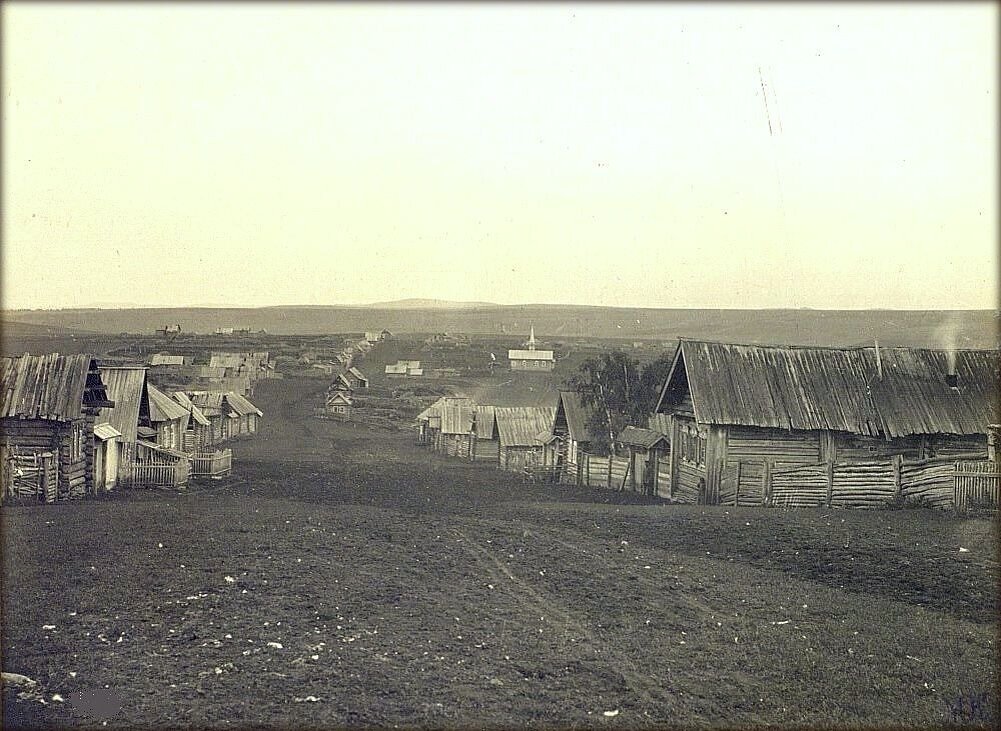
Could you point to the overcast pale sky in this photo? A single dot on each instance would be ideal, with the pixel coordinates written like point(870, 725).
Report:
point(779, 155)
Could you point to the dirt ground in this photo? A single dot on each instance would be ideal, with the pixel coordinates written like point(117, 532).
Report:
point(345, 577)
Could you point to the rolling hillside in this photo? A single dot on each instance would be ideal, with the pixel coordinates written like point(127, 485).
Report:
point(961, 328)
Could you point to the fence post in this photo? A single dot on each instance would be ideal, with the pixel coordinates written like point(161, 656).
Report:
point(608, 482)
point(766, 483)
point(830, 482)
point(736, 486)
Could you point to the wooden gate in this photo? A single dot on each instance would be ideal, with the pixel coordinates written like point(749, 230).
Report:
point(34, 474)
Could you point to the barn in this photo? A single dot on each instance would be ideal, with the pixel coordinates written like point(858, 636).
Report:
point(48, 409)
point(735, 413)
point(520, 430)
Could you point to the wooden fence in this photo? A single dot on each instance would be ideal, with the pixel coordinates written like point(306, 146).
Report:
point(977, 485)
point(938, 482)
point(610, 473)
point(212, 464)
point(158, 474)
point(33, 475)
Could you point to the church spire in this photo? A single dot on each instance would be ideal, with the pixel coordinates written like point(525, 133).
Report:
point(531, 339)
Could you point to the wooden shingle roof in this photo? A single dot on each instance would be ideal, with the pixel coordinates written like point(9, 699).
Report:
point(835, 389)
point(54, 387)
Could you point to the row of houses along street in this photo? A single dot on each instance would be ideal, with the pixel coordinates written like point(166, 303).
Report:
point(73, 426)
point(772, 426)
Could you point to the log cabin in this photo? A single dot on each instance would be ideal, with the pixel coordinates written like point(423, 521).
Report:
point(520, 431)
point(745, 408)
point(48, 406)
point(198, 436)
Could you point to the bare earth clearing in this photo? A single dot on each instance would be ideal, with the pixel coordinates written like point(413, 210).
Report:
point(344, 577)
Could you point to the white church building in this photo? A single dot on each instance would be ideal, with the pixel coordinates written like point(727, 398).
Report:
point(530, 359)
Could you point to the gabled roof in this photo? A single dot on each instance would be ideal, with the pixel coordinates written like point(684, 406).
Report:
point(162, 359)
point(196, 413)
point(835, 389)
point(162, 407)
point(570, 408)
point(486, 421)
point(241, 405)
point(127, 388)
point(519, 426)
point(53, 386)
point(530, 355)
point(639, 437)
point(340, 383)
point(357, 374)
point(339, 396)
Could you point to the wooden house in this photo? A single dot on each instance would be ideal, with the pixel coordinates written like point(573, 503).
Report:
point(48, 409)
point(734, 412)
point(647, 450)
point(198, 436)
point(127, 388)
point(168, 418)
point(569, 437)
point(457, 438)
point(339, 404)
point(356, 378)
point(520, 431)
point(211, 404)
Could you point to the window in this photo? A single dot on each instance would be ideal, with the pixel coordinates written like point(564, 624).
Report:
point(691, 446)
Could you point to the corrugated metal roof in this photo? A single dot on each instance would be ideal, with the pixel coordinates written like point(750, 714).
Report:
point(127, 388)
point(104, 432)
point(837, 389)
point(49, 386)
point(241, 405)
point(636, 436)
point(196, 413)
point(519, 426)
point(162, 407)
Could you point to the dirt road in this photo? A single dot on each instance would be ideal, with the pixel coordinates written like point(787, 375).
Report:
point(345, 577)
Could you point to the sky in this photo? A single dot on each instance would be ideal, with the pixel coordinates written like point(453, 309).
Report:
point(649, 155)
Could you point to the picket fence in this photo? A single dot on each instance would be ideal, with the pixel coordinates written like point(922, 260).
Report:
point(212, 464)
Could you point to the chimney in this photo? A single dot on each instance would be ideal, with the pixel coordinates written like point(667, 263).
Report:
point(952, 374)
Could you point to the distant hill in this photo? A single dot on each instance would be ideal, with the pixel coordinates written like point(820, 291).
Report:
point(554, 323)
point(426, 304)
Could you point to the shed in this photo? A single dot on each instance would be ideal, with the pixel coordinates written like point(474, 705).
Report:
point(356, 378)
point(48, 409)
point(198, 436)
point(647, 448)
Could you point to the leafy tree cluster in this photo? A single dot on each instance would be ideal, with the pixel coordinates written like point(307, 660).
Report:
point(617, 391)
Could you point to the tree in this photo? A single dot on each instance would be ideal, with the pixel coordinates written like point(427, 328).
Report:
point(617, 391)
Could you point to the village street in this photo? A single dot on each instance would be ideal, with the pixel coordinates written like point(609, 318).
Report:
point(343, 576)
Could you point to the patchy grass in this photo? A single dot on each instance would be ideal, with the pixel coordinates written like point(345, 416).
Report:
point(370, 583)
